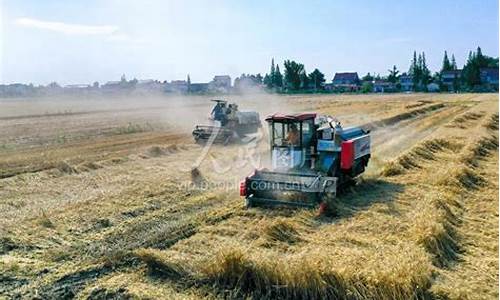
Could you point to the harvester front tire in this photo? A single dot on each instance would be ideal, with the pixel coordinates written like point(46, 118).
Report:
point(248, 203)
point(327, 204)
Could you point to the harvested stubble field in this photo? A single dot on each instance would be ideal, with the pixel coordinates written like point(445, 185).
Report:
point(98, 200)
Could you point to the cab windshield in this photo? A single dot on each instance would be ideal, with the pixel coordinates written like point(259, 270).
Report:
point(284, 134)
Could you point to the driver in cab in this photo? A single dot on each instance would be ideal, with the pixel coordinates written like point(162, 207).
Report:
point(293, 135)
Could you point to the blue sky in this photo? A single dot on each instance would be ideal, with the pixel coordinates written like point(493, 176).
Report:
point(98, 40)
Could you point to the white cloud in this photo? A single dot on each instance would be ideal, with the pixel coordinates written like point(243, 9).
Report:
point(111, 32)
point(71, 29)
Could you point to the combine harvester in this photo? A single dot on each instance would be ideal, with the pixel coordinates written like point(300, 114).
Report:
point(228, 124)
point(311, 156)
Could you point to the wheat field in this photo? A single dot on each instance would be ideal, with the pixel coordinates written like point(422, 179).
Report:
point(98, 200)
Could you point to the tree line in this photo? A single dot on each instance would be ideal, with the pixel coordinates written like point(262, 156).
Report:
point(466, 79)
point(295, 78)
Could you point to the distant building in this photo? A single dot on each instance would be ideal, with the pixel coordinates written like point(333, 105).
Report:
point(77, 86)
point(51, 89)
point(450, 79)
point(17, 90)
point(248, 82)
point(177, 86)
point(311, 86)
point(198, 88)
point(347, 78)
point(145, 82)
point(328, 87)
point(406, 82)
point(345, 82)
point(433, 87)
point(112, 83)
point(111, 87)
point(383, 86)
point(489, 76)
point(220, 83)
point(222, 80)
point(149, 85)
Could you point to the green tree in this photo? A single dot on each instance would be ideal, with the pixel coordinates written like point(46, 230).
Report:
point(413, 63)
point(472, 67)
point(415, 69)
point(470, 77)
point(278, 78)
point(317, 78)
point(272, 73)
point(447, 66)
point(258, 78)
point(456, 83)
point(480, 59)
point(453, 62)
point(367, 77)
point(436, 77)
point(393, 74)
point(367, 87)
point(55, 85)
point(425, 72)
point(304, 80)
point(293, 71)
point(419, 71)
point(492, 62)
point(269, 79)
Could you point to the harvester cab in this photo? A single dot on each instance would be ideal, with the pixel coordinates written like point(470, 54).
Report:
point(219, 112)
point(291, 139)
point(311, 157)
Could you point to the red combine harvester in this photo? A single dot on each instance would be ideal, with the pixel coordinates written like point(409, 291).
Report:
point(311, 157)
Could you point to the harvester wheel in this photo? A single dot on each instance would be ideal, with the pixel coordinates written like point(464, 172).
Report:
point(248, 203)
point(323, 208)
point(327, 204)
point(198, 140)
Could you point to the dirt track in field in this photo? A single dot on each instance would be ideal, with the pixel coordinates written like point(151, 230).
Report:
point(96, 201)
